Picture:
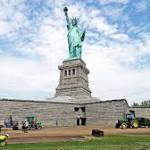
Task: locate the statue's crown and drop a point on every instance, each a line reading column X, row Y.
column 75, row 19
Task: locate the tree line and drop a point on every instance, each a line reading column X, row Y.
column 143, row 103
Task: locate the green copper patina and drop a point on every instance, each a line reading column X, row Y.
column 75, row 37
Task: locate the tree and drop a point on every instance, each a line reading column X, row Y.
column 143, row 103
column 135, row 104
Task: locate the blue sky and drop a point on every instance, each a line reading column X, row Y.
column 33, row 42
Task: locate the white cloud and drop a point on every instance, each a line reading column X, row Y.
column 24, row 75
column 116, row 72
column 112, row 47
column 50, row 42
column 113, row 1
column 4, row 28
column 120, row 37
column 114, row 13
column 141, row 5
column 109, row 80
column 10, row 18
column 101, row 25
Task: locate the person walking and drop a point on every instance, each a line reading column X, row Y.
column 25, row 126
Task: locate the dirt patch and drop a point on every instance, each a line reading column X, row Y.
column 65, row 133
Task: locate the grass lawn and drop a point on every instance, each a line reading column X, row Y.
column 115, row 142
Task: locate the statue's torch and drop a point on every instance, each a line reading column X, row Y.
column 65, row 11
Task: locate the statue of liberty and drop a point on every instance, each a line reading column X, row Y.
column 75, row 37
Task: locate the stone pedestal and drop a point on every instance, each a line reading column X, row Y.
column 73, row 79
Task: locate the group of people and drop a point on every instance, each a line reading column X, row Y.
column 4, row 138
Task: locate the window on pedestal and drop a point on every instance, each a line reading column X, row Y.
column 73, row 71
column 69, row 73
column 65, row 73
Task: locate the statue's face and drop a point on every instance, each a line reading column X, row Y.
column 74, row 22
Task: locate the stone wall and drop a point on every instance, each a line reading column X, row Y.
column 106, row 113
column 141, row 111
column 63, row 114
column 51, row 114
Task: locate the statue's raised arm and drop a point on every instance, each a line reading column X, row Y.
column 66, row 14
column 75, row 37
